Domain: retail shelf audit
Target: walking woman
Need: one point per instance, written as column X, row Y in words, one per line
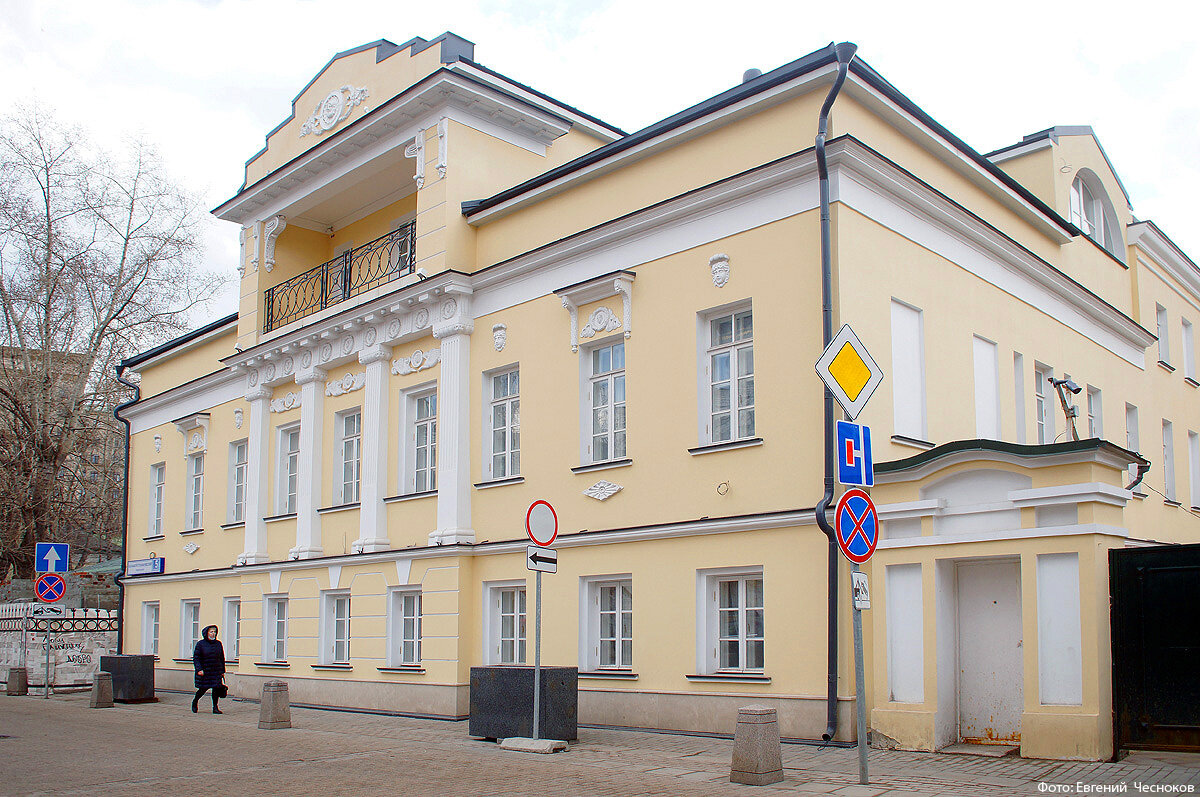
column 209, row 660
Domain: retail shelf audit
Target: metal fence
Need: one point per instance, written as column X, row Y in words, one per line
column 55, row 645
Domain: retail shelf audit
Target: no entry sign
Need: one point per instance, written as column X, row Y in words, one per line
column 857, row 526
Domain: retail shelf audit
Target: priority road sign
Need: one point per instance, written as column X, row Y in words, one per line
column 856, row 463
column 50, row 587
column 849, row 371
column 857, row 525
column 51, row 557
column 544, row 560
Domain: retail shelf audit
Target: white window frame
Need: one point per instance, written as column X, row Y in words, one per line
column 232, row 623
column 1132, row 438
column 239, row 470
column 349, row 448
column 289, row 466
column 587, row 378
column 151, row 627
column 493, row 619
column 510, row 403
column 985, row 358
column 334, row 630
column 1188, row 350
column 194, row 508
column 189, row 626
column 908, row 373
column 405, row 616
column 708, row 636
column 1043, row 403
column 1019, row 394
column 275, row 628
column 706, row 351
column 1095, row 411
column 1164, row 333
column 1168, row 449
column 590, row 623
column 1194, row 467
column 158, row 488
column 408, row 438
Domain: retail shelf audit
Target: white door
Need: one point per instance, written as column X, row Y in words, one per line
column 990, row 695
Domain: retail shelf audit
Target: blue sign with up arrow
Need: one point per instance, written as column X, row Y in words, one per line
column 51, row 557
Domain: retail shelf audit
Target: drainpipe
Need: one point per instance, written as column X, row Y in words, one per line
column 845, row 52
column 137, row 394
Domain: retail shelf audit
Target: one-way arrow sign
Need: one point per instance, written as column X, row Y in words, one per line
column 544, row 559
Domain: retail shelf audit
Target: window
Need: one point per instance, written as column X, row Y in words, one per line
column 987, row 388
column 189, row 627
column 1095, row 415
column 609, row 624
column 506, row 620
column 275, row 629
column 1188, row 350
column 158, row 486
column 237, row 481
column 349, row 429
column 233, row 628
column 195, row 498
column 335, row 632
column 729, row 367
column 1194, row 467
column 1164, row 337
column 1043, row 406
column 606, row 387
column 405, row 647
column 150, row 628
column 734, row 619
column 1019, row 393
column 1168, row 442
column 1131, row 436
column 1092, row 213
column 908, row 371
column 503, row 456
column 1084, row 213
column 425, row 443
column 289, row 469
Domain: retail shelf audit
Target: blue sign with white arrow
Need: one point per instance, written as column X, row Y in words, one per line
column 856, row 465
column 51, row 557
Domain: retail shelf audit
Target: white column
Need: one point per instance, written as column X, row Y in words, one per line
column 372, row 513
column 454, row 425
column 258, row 447
column 311, row 466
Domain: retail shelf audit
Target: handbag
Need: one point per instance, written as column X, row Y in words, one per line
column 221, row 691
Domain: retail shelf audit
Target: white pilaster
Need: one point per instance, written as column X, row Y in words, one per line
column 454, row 424
column 258, row 447
column 372, row 513
column 311, row 466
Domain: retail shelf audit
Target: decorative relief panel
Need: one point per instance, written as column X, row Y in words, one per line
column 719, row 265
column 602, row 490
column 336, row 106
column 347, row 384
column 191, row 548
column 237, row 418
column 499, row 336
column 194, row 429
column 271, row 229
column 288, row 402
column 157, row 443
column 417, row 150
column 417, row 361
column 601, row 320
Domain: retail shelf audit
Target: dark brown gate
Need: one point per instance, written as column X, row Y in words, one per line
column 1156, row 646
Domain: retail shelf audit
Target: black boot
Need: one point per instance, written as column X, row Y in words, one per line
column 195, row 704
column 215, row 709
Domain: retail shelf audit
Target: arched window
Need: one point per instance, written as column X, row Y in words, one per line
column 1092, row 212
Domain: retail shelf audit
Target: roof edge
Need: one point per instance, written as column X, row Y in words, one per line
column 1016, row 449
column 138, row 359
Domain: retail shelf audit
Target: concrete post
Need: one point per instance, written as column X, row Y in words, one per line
column 102, row 691
column 275, row 710
column 18, row 681
column 757, row 752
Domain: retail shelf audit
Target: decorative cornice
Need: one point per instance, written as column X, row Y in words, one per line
column 1162, row 250
column 602, row 319
column 332, row 110
column 347, row 384
column 194, row 429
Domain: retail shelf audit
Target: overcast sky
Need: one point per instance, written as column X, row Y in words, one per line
column 204, row 80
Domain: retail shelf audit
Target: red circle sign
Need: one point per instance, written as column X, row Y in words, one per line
column 857, row 525
column 50, row 587
column 541, row 523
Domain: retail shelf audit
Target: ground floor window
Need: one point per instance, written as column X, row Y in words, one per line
column 335, row 621
column 150, row 628
column 189, row 627
column 275, row 629
column 506, row 623
column 405, row 648
column 233, row 628
column 608, row 624
column 733, row 622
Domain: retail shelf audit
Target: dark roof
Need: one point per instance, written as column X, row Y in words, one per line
column 1052, row 133
column 1017, row 449
column 138, row 359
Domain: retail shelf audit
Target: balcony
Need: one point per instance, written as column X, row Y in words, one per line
column 354, row 272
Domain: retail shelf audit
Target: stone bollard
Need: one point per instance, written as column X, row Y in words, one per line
column 274, row 710
column 757, row 753
column 102, row 690
column 18, row 681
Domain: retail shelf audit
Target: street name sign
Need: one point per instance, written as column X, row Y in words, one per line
column 857, row 525
column 849, row 371
column 51, row 557
column 49, row 587
column 543, row 560
column 856, row 463
column 145, row 567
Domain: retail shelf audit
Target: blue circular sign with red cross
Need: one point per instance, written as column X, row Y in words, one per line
column 50, row 587
column 857, row 525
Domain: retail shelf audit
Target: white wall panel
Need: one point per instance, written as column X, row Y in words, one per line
column 1060, row 662
column 905, row 634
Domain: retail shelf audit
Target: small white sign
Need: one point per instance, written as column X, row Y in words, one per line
column 46, row 610
column 862, row 594
column 543, row 559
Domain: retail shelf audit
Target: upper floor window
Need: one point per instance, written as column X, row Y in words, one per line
column 195, row 498
column 289, row 469
column 908, row 371
column 1043, row 406
column 158, row 486
column 1188, row 352
column 1092, row 213
column 730, row 372
column 425, row 443
column 505, row 425
column 237, row 481
column 1164, row 336
column 349, row 429
column 1095, row 413
column 606, row 388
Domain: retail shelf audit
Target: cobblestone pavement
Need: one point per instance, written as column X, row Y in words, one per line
column 61, row 747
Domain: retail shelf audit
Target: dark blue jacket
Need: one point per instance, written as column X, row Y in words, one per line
column 210, row 657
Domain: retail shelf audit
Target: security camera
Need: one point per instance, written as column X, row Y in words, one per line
column 1067, row 383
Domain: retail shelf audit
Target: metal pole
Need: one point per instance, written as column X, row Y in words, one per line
column 860, row 688
column 46, row 691
column 537, row 657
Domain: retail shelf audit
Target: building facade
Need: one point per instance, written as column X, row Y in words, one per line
column 459, row 296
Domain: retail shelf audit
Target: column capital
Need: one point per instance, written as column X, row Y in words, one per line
column 258, row 393
column 310, row 375
column 374, row 354
column 452, row 316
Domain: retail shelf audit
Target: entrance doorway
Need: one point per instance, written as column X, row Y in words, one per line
column 990, row 665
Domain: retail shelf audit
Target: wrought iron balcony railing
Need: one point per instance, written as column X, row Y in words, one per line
column 353, row 272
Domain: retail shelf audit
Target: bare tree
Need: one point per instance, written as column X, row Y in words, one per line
column 97, row 259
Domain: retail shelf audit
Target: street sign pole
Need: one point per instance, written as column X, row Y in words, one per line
column 46, row 691
column 537, row 657
column 541, row 524
column 860, row 689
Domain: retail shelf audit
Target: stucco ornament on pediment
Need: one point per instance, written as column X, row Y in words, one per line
column 602, row 319
column 335, row 108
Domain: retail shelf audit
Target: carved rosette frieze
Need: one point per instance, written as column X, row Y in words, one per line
column 603, row 490
column 601, row 320
column 335, row 108
column 417, row 361
column 289, row 402
column 272, row 227
column 347, row 384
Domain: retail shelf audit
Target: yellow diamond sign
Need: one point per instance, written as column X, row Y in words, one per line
column 849, row 371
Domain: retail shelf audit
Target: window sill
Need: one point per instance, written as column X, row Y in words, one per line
column 1136, row 494
column 410, row 496
column 340, row 667
column 325, row 510
column 732, row 677
column 1166, row 365
column 912, row 442
column 1172, row 502
column 274, row 665
column 612, row 463
column 284, row 516
column 190, row 532
column 610, row 675
column 415, row 670
column 183, row 661
column 498, row 483
column 712, row 448
column 155, row 537
column 231, row 662
column 1189, row 380
column 235, row 525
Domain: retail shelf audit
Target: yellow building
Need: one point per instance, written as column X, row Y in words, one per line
column 434, row 255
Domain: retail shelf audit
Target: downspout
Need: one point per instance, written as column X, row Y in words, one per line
column 137, row 394
column 845, row 52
